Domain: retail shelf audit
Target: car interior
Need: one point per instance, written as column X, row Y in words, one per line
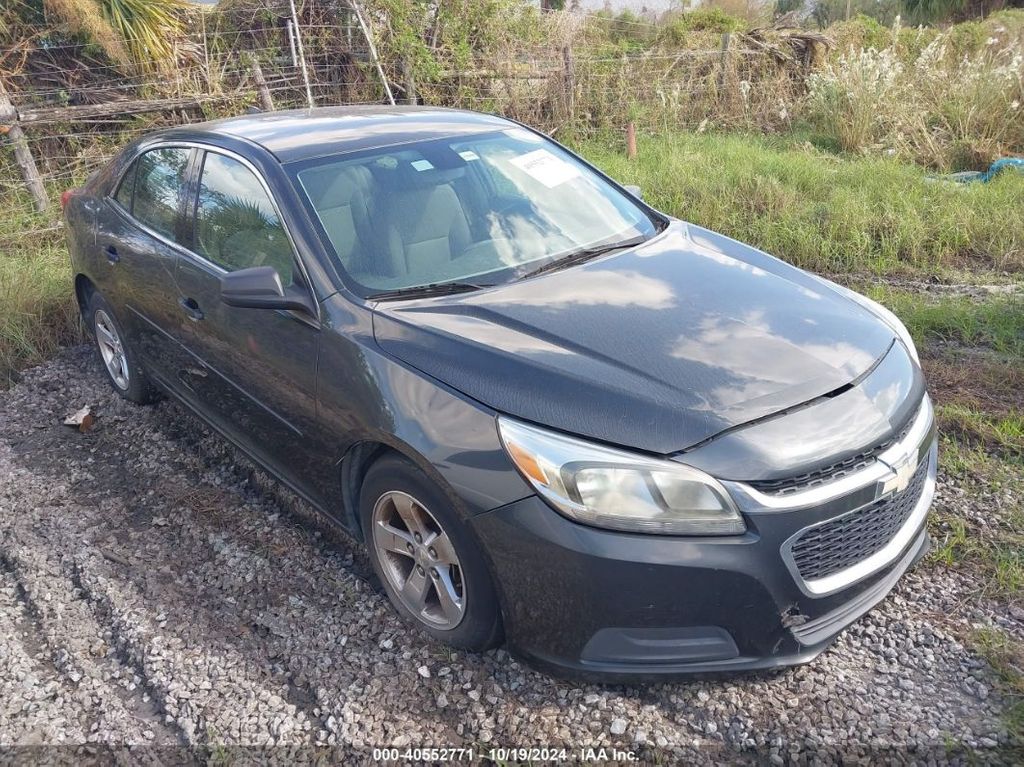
column 406, row 219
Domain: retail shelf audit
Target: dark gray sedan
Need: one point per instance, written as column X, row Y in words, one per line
column 627, row 445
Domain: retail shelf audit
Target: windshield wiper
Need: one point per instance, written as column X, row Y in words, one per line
column 425, row 291
column 579, row 256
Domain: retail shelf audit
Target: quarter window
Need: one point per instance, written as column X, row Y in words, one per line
column 127, row 188
column 159, row 179
column 237, row 225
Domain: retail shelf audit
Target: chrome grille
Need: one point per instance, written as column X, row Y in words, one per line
column 833, row 471
column 842, row 542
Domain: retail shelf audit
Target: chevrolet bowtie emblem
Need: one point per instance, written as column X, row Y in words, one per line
column 904, row 472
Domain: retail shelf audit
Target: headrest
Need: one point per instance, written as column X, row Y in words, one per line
column 334, row 186
column 420, row 174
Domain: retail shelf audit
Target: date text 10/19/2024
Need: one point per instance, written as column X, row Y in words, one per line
column 501, row 754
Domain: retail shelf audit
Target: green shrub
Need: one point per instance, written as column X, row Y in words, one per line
column 700, row 20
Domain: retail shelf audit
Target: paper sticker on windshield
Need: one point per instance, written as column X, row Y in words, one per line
column 468, row 155
column 546, row 167
column 422, row 165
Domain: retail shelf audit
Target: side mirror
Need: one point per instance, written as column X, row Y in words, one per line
column 634, row 190
column 259, row 287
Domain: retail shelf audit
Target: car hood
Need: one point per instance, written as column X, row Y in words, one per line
column 657, row 348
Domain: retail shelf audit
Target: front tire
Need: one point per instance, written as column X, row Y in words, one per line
column 118, row 358
column 424, row 556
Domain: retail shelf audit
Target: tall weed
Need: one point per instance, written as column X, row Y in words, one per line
column 940, row 108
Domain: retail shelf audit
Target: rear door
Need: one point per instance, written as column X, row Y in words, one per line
column 139, row 232
column 253, row 371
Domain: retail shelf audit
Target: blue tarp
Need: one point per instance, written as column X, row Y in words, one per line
column 1000, row 165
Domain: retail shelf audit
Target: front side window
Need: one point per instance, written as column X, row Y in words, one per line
column 482, row 209
column 236, row 224
column 159, row 179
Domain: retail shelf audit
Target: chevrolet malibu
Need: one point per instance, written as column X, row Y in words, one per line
column 625, row 445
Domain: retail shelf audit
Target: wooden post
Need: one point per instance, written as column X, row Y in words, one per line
column 724, row 62
column 266, row 100
column 569, row 82
column 410, row 81
column 631, row 140
column 437, row 25
column 22, row 154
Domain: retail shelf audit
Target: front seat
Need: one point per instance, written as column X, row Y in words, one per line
column 427, row 226
column 341, row 197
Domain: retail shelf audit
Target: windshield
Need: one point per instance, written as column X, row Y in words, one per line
column 477, row 210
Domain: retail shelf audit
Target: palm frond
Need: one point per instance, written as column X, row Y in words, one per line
column 149, row 28
column 87, row 18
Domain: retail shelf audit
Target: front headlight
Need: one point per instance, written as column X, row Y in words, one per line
column 614, row 489
column 883, row 314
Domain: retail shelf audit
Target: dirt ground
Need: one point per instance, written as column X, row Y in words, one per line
column 157, row 590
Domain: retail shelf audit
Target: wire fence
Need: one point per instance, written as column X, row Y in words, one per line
column 70, row 110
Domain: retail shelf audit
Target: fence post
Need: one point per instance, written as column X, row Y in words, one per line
column 22, row 154
column 631, row 140
column 724, row 62
column 410, row 81
column 569, row 82
column 266, row 101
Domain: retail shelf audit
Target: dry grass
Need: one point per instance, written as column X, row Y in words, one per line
column 938, row 107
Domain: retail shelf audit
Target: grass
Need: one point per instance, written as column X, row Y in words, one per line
column 1002, row 435
column 1006, row 657
column 996, row 323
column 39, row 311
column 825, row 212
column 994, row 551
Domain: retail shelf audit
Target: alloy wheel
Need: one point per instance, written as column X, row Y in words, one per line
column 418, row 560
column 111, row 349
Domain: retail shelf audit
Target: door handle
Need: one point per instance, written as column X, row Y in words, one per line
column 111, row 253
column 191, row 308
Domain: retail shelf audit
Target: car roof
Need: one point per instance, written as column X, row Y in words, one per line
column 299, row 134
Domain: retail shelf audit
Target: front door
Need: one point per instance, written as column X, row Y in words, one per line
column 252, row 371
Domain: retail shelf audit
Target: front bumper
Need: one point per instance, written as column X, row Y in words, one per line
column 614, row 606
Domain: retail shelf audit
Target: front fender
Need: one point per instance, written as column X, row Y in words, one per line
column 368, row 397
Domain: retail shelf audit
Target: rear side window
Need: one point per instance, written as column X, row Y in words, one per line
column 236, row 223
column 127, row 188
column 158, row 180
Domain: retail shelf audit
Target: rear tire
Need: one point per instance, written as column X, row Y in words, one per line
column 425, row 557
column 119, row 360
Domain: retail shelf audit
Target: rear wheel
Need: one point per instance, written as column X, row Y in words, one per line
column 119, row 360
column 428, row 563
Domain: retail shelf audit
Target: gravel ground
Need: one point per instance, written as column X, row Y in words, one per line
column 156, row 589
